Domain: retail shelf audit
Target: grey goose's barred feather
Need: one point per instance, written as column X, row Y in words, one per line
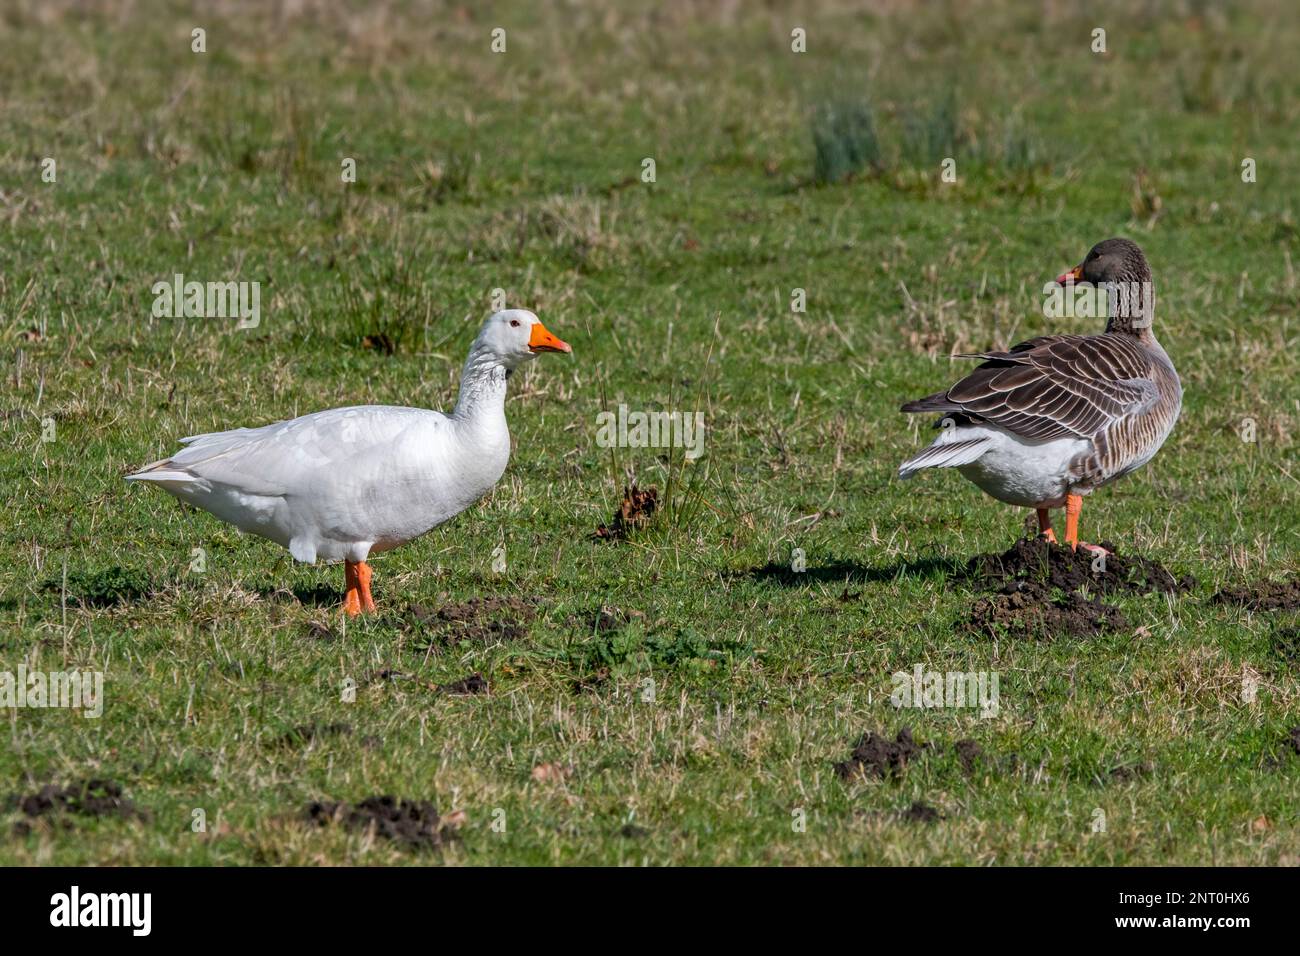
column 1054, row 386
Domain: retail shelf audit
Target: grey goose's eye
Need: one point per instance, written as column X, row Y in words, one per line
column 514, row 323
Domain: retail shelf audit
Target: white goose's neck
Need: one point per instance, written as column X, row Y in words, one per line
column 482, row 387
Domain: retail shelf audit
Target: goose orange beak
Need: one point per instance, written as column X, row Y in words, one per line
column 540, row 340
column 1074, row 275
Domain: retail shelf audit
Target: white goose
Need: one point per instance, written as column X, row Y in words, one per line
column 350, row 482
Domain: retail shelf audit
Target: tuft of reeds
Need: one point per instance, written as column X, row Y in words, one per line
column 845, row 141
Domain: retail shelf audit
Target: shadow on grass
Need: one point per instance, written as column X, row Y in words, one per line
column 852, row 572
column 316, row 595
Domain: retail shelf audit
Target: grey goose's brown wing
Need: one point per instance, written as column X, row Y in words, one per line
column 1054, row 386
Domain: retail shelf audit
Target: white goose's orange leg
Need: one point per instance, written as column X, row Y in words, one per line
column 1045, row 525
column 364, row 575
column 352, row 598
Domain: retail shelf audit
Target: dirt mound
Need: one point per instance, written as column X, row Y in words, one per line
column 880, row 757
column 385, row 675
column 1027, row 609
column 473, row 684
column 317, row 631
column 1132, row 770
column 595, row 683
column 1040, row 561
column 413, row 824
column 634, row 512
column 922, row 812
column 1284, row 751
column 1286, row 644
column 485, row 620
column 970, row 754
column 86, row 798
column 380, row 342
column 1039, row 589
column 1263, row 596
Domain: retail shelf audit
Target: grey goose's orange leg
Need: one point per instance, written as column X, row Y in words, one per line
column 1045, row 525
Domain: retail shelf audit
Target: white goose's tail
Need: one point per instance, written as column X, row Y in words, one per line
column 181, row 468
column 945, row 453
column 169, row 475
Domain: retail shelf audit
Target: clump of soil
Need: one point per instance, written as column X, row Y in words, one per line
column 1028, row 609
column 1039, row 589
column 1040, row 561
column 922, row 812
column 634, row 512
column 473, row 684
column 1263, row 596
column 879, row 756
column 485, row 620
column 1131, row 771
column 1286, row 749
column 593, row 683
column 380, row 342
column 975, row 759
column 413, row 824
column 319, row 632
column 86, row 798
column 1286, row 644
column 970, row 754
column 386, row 675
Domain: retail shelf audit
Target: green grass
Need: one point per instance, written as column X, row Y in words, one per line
column 521, row 172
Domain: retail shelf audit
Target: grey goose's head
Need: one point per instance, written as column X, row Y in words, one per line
column 1119, row 267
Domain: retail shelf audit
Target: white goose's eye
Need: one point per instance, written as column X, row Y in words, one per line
column 514, row 323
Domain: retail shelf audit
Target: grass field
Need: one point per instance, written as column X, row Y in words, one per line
column 226, row 679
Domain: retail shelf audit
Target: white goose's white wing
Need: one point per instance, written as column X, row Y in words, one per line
column 335, row 484
column 285, row 457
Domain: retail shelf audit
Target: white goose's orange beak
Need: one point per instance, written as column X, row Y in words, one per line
column 541, row 340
